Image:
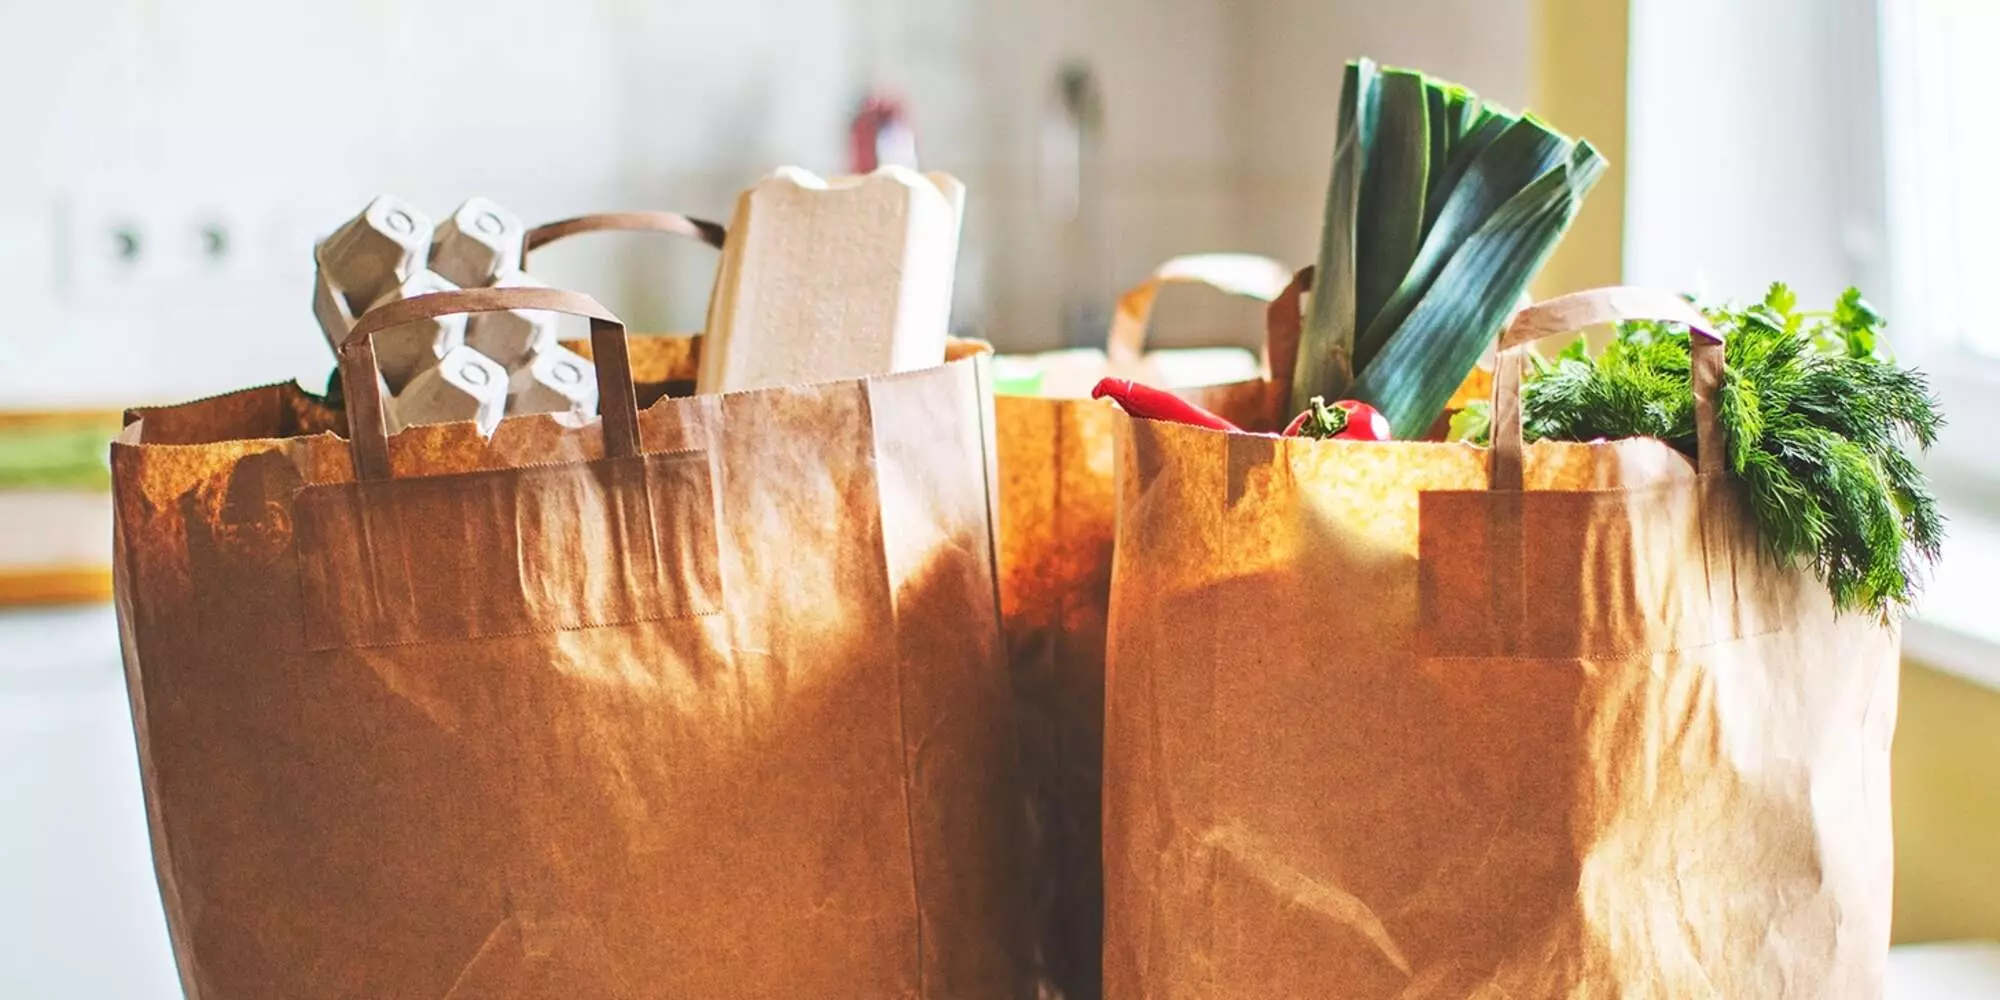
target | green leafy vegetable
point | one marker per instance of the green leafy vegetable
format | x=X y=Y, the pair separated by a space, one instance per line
x=1326 y=344
x=1471 y=424
x=1423 y=363
x=1390 y=223
x=1820 y=425
x=1440 y=210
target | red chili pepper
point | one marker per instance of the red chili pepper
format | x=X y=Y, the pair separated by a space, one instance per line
x=1153 y=404
x=1345 y=420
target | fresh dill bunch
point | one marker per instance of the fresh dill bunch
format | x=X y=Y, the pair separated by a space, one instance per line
x=1820 y=425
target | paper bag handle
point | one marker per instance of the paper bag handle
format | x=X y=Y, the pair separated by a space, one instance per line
x=1580 y=310
x=367 y=424
x=672 y=223
x=1248 y=275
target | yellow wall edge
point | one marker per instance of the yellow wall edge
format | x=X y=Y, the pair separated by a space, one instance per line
x=1946 y=789
x=1579 y=87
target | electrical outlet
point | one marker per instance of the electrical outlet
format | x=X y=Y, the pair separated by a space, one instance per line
x=211 y=245
x=107 y=248
x=123 y=241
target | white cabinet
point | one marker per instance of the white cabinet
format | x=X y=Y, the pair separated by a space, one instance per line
x=1968 y=970
x=80 y=915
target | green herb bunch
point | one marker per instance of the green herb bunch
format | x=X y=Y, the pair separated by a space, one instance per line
x=1820 y=425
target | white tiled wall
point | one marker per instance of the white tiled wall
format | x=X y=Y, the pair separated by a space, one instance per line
x=1288 y=56
x=278 y=119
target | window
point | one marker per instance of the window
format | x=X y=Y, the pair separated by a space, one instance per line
x=1940 y=213
x=1943 y=186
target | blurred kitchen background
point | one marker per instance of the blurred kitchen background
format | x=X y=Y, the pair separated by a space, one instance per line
x=166 y=168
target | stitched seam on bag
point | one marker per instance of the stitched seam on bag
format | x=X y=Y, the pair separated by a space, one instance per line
x=1049 y=866
x=902 y=714
x=443 y=477
x=1613 y=654
x=647 y=619
x=1228 y=526
x=335 y=436
x=1642 y=490
x=989 y=469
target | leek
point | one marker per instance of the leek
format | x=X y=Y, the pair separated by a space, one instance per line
x=1440 y=211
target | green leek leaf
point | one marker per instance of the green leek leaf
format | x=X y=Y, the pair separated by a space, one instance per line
x=1523 y=152
x=1464 y=153
x=1440 y=210
x=1440 y=115
x=1427 y=357
x=1326 y=345
x=1393 y=184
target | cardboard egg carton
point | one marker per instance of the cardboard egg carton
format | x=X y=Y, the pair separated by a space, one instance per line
x=463 y=385
x=478 y=367
x=479 y=243
x=821 y=278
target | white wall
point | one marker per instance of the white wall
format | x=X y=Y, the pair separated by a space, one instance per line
x=284 y=118
x=1288 y=56
x=280 y=119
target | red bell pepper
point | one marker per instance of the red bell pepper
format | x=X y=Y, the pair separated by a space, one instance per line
x=1345 y=420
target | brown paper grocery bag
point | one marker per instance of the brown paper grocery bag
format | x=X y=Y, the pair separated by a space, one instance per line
x=1383 y=723
x=1055 y=579
x=701 y=701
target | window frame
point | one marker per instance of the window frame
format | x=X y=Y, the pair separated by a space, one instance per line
x=1965 y=470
